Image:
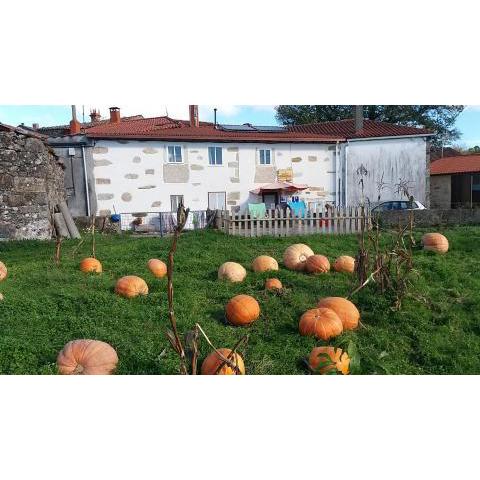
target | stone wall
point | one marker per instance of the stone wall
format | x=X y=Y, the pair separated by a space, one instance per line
x=31 y=184
x=433 y=217
x=441 y=191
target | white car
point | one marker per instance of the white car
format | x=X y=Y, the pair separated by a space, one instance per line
x=398 y=205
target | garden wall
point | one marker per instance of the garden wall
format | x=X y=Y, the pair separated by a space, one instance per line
x=31 y=184
x=427 y=218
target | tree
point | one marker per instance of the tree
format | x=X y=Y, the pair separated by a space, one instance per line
x=438 y=118
x=475 y=149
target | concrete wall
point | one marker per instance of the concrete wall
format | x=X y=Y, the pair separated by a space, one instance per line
x=390 y=159
x=135 y=176
x=31 y=184
x=433 y=217
x=441 y=191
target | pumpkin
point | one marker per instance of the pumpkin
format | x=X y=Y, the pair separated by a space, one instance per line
x=3 y=271
x=157 y=267
x=242 y=310
x=295 y=256
x=317 y=264
x=87 y=357
x=435 y=242
x=263 y=263
x=345 y=264
x=213 y=361
x=90 y=265
x=320 y=323
x=1 y=297
x=345 y=309
x=131 y=286
x=273 y=284
x=319 y=355
x=231 y=271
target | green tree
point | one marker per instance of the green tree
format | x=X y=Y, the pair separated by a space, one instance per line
x=475 y=149
x=438 y=118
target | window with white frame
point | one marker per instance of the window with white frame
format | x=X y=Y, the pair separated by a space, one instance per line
x=217 y=200
x=174 y=154
x=175 y=201
x=215 y=155
x=265 y=156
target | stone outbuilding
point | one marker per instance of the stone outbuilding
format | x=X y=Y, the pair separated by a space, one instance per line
x=31 y=184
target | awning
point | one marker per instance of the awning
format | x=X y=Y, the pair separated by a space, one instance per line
x=279 y=186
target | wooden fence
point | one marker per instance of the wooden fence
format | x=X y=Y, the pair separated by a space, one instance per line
x=279 y=223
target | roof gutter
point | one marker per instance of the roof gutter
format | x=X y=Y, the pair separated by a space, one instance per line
x=420 y=135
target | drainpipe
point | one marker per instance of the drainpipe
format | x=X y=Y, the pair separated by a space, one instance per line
x=346 y=174
x=87 y=193
x=338 y=176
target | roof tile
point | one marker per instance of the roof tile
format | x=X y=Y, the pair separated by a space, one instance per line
x=457 y=164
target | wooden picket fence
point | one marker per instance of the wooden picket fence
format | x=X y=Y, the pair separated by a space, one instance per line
x=284 y=223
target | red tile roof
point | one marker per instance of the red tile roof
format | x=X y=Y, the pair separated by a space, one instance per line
x=457 y=164
x=166 y=128
x=371 y=129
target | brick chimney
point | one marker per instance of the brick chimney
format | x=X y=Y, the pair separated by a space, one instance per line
x=114 y=115
x=74 y=123
x=194 y=120
x=358 y=116
x=95 y=116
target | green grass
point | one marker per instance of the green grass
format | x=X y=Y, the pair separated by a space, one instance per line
x=46 y=306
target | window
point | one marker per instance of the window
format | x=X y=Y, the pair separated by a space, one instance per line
x=175 y=201
x=215 y=155
x=265 y=157
x=174 y=154
x=217 y=200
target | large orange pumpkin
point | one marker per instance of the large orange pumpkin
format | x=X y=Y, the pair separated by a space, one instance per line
x=157 y=267
x=345 y=264
x=264 y=263
x=3 y=271
x=319 y=355
x=435 y=242
x=231 y=271
x=320 y=323
x=242 y=310
x=87 y=357
x=90 y=265
x=345 y=309
x=131 y=286
x=317 y=264
x=273 y=284
x=213 y=361
x=295 y=256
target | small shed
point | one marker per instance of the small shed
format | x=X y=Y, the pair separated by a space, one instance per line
x=31 y=184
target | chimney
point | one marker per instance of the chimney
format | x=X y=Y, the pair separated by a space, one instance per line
x=35 y=126
x=114 y=115
x=74 y=123
x=194 y=120
x=358 y=116
x=95 y=116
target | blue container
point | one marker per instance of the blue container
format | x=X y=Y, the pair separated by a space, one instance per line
x=115 y=218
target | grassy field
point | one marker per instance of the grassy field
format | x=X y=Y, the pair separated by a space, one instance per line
x=45 y=306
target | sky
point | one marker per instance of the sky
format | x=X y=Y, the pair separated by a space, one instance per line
x=468 y=122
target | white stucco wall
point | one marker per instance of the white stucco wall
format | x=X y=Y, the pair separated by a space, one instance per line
x=395 y=159
x=134 y=176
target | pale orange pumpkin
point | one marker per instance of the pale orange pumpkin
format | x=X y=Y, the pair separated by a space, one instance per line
x=319 y=355
x=320 y=323
x=87 y=357
x=273 y=284
x=435 y=242
x=242 y=310
x=90 y=265
x=1 y=297
x=3 y=271
x=344 y=264
x=232 y=272
x=212 y=363
x=264 y=263
x=295 y=256
x=157 y=267
x=317 y=264
x=131 y=286
x=345 y=309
